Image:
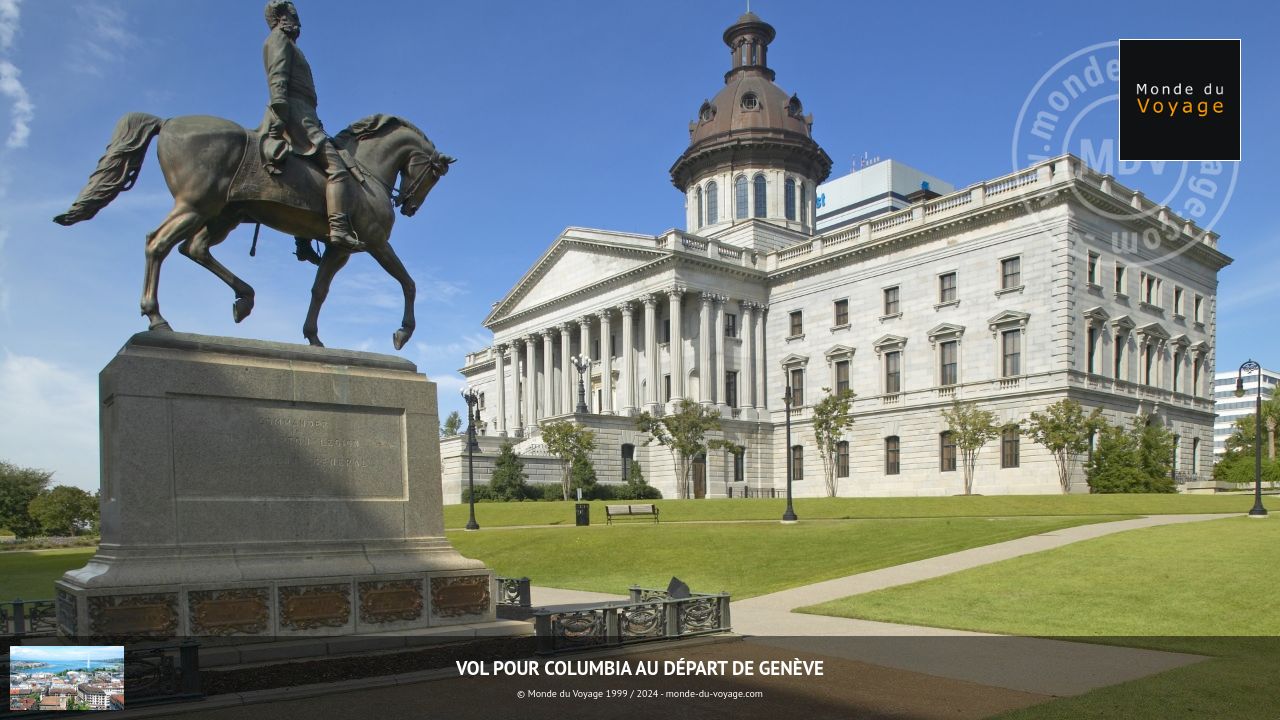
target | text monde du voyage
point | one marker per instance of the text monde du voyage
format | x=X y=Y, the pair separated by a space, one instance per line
x=1180 y=99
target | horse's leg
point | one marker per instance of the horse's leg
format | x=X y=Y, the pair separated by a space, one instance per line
x=178 y=226
x=387 y=258
x=332 y=262
x=197 y=248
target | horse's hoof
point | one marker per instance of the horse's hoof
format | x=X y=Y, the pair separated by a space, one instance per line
x=315 y=342
x=400 y=337
x=241 y=308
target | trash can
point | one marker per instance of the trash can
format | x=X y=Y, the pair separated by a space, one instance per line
x=582 y=514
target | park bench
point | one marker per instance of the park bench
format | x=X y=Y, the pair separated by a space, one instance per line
x=612 y=511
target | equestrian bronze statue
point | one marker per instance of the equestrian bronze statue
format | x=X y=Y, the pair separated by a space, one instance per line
x=287 y=175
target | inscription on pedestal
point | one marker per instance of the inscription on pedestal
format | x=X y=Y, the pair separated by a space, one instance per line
x=305 y=607
x=66 y=612
x=115 y=615
x=459 y=596
x=255 y=450
x=228 y=612
x=390 y=601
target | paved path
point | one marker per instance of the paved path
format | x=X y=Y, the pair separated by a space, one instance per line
x=1034 y=665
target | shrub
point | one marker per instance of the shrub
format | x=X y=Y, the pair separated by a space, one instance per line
x=508 y=480
x=1137 y=460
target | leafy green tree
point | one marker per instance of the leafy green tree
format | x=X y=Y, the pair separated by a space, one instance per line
x=18 y=487
x=583 y=477
x=636 y=487
x=831 y=418
x=508 y=479
x=568 y=442
x=971 y=428
x=64 y=510
x=684 y=434
x=1133 y=460
x=1064 y=430
x=452 y=425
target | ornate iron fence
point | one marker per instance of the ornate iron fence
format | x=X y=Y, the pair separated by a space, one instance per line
x=750 y=492
x=512 y=597
x=28 y=618
x=650 y=615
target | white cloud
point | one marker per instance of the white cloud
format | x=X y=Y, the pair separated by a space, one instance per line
x=105 y=40
x=22 y=111
x=8 y=22
x=49 y=419
x=70 y=653
x=4 y=287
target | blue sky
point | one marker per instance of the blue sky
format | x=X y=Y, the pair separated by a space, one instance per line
x=71 y=653
x=561 y=113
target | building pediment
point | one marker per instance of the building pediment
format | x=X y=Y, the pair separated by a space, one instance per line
x=945 y=331
x=1008 y=317
x=1154 y=331
x=574 y=263
x=1122 y=323
x=794 y=359
x=838 y=351
x=889 y=342
x=1180 y=341
x=1096 y=314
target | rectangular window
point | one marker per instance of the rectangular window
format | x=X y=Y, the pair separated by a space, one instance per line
x=797 y=387
x=1093 y=268
x=893 y=372
x=1197 y=304
x=1010 y=273
x=891 y=301
x=731 y=388
x=739 y=466
x=1177 y=371
x=1091 y=351
x=947 y=452
x=1118 y=364
x=666 y=388
x=797 y=323
x=948 y=355
x=947 y=287
x=1120 y=280
x=1148 y=363
x=1011 y=342
x=842 y=375
x=797 y=462
x=1150 y=295
x=1177 y=301
x=891 y=455
x=595 y=349
x=730 y=325
x=1009 y=448
x=666 y=330
x=842 y=459
x=842 y=312
x=1195 y=376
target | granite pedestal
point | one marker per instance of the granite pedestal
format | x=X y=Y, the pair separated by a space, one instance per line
x=260 y=489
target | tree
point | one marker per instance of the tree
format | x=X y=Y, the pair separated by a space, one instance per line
x=1064 y=430
x=583 y=476
x=18 y=487
x=567 y=441
x=636 y=488
x=684 y=434
x=1133 y=460
x=831 y=418
x=970 y=428
x=452 y=425
x=508 y=479
x=64 y=510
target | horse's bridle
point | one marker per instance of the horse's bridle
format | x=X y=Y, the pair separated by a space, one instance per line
x=404 y=194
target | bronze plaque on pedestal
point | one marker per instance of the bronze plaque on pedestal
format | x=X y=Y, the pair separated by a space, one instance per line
x=227 y=612
x=458 y=596
x=115 y=615
x=390 y=601
x=304 y=607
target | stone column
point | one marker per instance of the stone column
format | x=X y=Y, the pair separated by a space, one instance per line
x=762 y=388
x=606 y=361
x=530 y=384
x=566 y=372
x=499 y=367
x=721 y=401
x=584 y=349
x=628 y=360
x=651 y=353
x=704 y=350
x=548 y=388
x=676 y=346
x=747 y=362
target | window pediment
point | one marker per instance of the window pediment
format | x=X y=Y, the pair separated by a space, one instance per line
x=1096 y=315
x=1008 y=320
x=1153 y=331
x=1122 y=324
x=794 y=360
x=1180 y=341
x=888 y=343
x=839 y=352
x=945 y=331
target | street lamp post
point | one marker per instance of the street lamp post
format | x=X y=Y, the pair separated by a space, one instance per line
x=470 y=396
x=790 y=515
x=582 y=364
x=1258 y=510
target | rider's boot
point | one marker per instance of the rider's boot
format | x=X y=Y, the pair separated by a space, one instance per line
x=335 y=194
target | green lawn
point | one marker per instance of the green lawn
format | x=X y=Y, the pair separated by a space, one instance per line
x=30 y=574
x=561 y=513
x=746 y=559
x=1203 y=588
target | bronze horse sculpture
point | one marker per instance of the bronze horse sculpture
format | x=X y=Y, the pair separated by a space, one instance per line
x=208 y=164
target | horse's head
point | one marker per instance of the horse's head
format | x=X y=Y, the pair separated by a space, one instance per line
x=420 y=173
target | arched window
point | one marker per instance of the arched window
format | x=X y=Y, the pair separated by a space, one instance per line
x=892 y=455
x=740 y=198
x=804 y=204
x=628 y=456
x=842 y=459
x=761 y=206
x=713 y=203
x=789 y=198
x=697 y=193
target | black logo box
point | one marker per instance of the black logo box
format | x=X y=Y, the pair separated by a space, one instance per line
x=1187 y=69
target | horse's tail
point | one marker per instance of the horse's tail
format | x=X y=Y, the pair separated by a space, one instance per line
x=117 y=169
